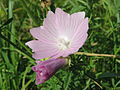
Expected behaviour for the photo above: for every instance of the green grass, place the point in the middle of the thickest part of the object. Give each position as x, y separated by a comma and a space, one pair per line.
85, 72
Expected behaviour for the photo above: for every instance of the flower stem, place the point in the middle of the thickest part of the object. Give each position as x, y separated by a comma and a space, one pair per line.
99, 55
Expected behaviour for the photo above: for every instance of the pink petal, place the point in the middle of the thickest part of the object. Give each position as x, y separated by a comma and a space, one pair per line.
58, 54
47, 69
34, 45
78, 17
41, 34
39, 82
75, 21
50, 24
79, 36
68, 52
78, 43
83, 28
50, 13
62, 21
45, 53
37, 45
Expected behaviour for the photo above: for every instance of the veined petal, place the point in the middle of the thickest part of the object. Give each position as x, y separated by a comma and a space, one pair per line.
75, 45
82, 29
78, 43
62, 21
50, 24
58, 54
42, 35
45, 53
37, 45
74, 23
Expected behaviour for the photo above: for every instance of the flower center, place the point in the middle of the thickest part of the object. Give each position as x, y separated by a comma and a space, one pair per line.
63, 43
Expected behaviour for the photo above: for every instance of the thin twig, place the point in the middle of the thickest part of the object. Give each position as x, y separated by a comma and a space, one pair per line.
99, 55
94, 80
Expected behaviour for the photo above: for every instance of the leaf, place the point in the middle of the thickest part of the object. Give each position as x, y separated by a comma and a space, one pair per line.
67, 80
108, 75
7, 22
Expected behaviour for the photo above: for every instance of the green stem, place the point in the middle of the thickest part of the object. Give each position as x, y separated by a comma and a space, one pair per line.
15, 46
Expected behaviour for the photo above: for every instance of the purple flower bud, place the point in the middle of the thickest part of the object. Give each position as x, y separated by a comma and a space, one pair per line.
46, 69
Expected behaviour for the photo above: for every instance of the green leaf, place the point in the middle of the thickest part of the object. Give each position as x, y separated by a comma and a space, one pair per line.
67, 80
108, 75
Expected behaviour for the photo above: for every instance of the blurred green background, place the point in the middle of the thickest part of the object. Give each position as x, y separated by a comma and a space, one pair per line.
85, 72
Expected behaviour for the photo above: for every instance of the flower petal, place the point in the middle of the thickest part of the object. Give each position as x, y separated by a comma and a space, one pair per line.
50, 24
74, 23
78, 43
46, 70
45, 53
58, 54
83, 28
41, 34
37, 45
62, 21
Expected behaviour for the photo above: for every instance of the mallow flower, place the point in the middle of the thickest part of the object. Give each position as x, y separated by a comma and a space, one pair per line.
46, 69
60, 35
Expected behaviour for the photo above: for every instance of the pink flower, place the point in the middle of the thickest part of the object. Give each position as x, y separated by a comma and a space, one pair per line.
46, 69
62, 34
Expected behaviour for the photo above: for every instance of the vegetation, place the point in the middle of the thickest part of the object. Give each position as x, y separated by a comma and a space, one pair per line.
85, 72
